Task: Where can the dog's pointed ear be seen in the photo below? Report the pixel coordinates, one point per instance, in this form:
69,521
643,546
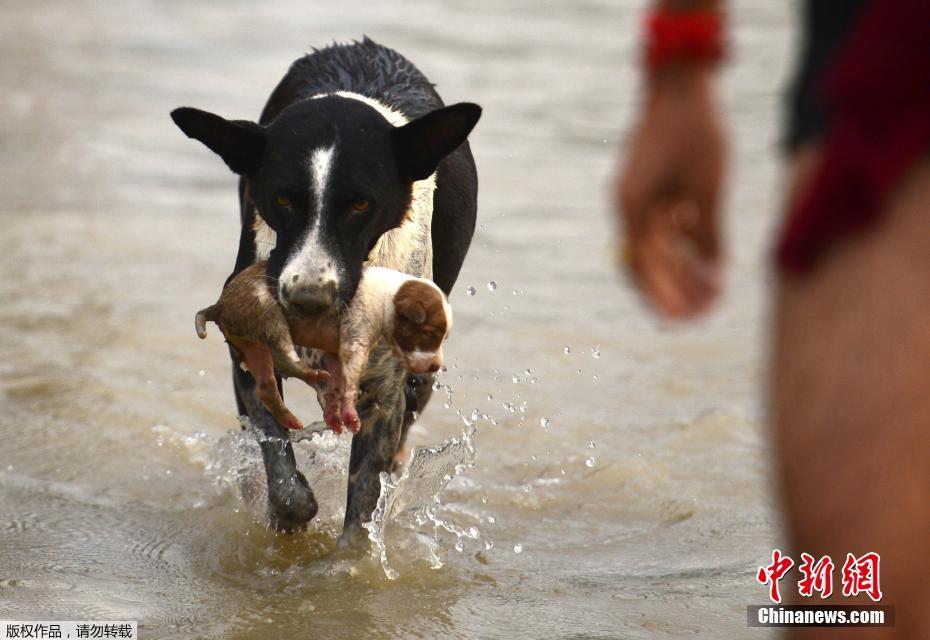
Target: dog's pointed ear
420,144
238,142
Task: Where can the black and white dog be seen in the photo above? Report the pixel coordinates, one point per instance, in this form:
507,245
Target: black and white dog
355,159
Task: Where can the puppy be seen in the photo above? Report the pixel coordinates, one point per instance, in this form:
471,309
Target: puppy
410,313
249,316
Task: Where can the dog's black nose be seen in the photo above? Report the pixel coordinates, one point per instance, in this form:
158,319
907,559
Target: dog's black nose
312,300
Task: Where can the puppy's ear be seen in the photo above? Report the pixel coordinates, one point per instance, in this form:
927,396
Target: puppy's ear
410,308
420,144
238,142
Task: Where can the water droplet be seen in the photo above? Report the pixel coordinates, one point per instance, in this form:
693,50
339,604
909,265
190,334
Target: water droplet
528,372
484,499
590,461
595,352
544,422
490,397
471,291
472,532
592,444
514,292
518,548
201,373
459,546
526,488
516,379
566,349
437,385
488,545
492,285
491,519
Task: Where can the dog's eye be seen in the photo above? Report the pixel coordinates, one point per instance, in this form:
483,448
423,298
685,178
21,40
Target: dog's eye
284,201
361,206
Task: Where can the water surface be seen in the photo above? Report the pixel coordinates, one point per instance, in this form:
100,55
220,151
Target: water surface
621,481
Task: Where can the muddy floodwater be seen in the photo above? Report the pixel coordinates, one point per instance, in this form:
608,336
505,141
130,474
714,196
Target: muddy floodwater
620,485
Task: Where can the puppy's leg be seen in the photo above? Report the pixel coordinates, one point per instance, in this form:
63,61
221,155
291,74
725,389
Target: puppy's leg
259,360
291,365
291,503
352,359
333,394
381,407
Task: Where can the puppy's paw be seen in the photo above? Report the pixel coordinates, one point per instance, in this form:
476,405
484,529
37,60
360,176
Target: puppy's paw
292,422
317,375
333,421
350,418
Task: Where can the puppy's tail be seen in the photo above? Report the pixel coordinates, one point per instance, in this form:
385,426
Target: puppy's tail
200,320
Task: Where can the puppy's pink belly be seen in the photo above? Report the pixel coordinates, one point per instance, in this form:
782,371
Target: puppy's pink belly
315,335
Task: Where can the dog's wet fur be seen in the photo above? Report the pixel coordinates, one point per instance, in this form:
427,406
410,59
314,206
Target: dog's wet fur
340,169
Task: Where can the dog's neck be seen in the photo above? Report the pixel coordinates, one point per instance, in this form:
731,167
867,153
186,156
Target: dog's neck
407,248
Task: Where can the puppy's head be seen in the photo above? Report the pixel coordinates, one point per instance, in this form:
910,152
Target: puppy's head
422,320
329,175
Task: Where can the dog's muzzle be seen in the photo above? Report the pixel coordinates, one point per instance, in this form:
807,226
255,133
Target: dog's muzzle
310,299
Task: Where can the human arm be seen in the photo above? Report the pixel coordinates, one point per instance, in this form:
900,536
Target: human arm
668,190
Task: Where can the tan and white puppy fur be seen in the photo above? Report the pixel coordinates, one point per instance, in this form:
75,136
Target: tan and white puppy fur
411,314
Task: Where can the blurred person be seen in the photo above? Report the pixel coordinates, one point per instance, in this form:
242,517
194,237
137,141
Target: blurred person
849,390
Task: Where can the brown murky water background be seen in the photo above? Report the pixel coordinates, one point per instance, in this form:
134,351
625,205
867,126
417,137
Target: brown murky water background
640,511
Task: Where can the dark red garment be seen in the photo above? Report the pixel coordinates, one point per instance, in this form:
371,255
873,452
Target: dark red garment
878,96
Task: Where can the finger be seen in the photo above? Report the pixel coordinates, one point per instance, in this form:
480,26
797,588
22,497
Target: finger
657,279
678,281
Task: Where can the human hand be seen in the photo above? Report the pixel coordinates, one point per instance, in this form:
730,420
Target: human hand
668,192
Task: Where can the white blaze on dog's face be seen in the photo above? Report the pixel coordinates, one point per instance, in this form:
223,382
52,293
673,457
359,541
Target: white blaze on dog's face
422,321
311,262
329,176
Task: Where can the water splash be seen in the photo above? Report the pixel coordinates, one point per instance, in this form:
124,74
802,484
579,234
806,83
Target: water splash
322,456
414,496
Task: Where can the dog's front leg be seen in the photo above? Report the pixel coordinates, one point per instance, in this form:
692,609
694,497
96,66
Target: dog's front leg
291,503
381,407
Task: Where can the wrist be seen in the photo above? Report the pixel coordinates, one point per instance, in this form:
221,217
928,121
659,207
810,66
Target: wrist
680,79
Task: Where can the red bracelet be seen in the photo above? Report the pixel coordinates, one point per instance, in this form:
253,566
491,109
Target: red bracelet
687,36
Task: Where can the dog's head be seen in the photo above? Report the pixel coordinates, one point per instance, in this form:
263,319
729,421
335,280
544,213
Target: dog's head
422,321
329,175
